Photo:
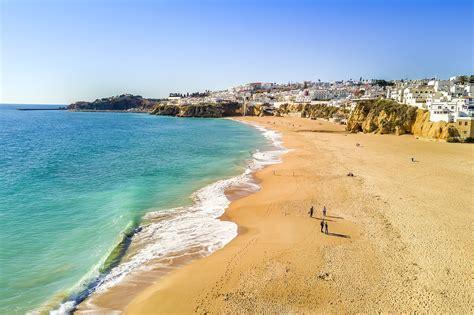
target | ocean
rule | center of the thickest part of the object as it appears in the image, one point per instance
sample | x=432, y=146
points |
x=77, y=187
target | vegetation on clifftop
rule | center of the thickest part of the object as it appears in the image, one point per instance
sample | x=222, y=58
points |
x=124, y=102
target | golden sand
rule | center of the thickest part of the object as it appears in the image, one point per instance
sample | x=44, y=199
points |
x=399, y=232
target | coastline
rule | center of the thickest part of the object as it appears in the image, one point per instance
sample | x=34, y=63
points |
x=376, y=257
x=215, y=198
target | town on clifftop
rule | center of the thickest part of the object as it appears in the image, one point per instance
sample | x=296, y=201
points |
x=427, y=108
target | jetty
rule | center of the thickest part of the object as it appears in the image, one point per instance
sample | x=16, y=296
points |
x=61, y=108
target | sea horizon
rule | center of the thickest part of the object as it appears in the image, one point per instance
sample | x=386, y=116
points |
x=236, y=157
x=65, y=275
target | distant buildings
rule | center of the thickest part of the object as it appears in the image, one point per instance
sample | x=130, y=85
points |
x=417, y=96
x=446, y=100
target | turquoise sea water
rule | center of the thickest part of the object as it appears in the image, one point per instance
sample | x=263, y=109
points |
x=71, y=183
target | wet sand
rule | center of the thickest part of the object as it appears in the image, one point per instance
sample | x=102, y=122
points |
x=399, y=238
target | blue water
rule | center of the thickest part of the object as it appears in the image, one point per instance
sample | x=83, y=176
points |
x=71, y=182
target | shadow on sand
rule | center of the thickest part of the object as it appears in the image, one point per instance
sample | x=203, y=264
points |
x=334, y=217
x=339, y=235
x=320, y=219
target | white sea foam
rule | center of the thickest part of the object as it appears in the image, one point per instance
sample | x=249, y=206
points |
x=65, y=308
x=195, y=226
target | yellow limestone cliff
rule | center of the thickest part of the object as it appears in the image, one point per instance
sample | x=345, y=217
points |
x=389, y=117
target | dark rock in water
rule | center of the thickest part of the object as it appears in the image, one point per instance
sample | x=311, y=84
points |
x=138, y=229
x=124, y=102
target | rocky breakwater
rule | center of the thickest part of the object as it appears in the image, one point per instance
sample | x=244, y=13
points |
x=389, y=117
x=124, y=102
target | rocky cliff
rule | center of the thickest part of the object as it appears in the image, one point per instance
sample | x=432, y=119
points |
x=440, y=130
x=124, y=102
x=311, y=111
x=199, y=110
x=389, y=117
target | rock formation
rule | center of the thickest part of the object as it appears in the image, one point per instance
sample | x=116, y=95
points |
x=199, y=110
x=311, y=111
x=379, y=116
x=424, y=128
x=124, y=102
x=382, y=116
x=389, y=117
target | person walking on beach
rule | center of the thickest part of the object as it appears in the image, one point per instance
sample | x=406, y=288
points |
x=311, y=210
x=326, y=228
x=322, y=226
x=324, y=211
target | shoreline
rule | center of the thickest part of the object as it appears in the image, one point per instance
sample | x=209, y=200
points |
x=280, y=262
x=235, y=187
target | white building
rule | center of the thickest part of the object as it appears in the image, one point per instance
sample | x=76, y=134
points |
x=469, y=90
x=303, y=99
x=442, y=85
x=278, y=104
x=443, y=107
x=457, y=90
x=320, y=94
x=417, y=96
x=395, y=94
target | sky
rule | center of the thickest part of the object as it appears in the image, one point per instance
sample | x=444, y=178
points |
x=58, y=52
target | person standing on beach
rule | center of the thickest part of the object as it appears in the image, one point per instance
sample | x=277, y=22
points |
x=311, y=210
x=326, y=228
x=322, y=226
x=324, y=211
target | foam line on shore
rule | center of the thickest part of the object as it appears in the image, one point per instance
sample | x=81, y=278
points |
x=179, y=229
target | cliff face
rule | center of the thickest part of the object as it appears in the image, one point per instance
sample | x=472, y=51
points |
x=382, y=117
x=235, y=109
x=123, y=102
x=441, y=130
x=310, y=111
x=388, y=117
x=199, y=110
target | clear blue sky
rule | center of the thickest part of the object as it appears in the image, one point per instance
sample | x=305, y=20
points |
x=63, y=51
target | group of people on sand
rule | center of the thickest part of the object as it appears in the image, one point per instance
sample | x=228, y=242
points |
x=324, y=223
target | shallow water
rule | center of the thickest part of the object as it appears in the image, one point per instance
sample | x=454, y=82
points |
x=72, y=183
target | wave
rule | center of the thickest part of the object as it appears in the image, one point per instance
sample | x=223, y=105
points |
x=174, y=232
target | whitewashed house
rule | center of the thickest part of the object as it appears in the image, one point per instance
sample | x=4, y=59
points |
x=444, y=107
x=469, y=90
x=417, y=96
x=457, y=90
x=319, y=94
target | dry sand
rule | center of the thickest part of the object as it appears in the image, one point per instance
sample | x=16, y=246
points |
x=400, y=232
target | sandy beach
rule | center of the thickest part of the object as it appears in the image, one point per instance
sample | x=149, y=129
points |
x=399, y=231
